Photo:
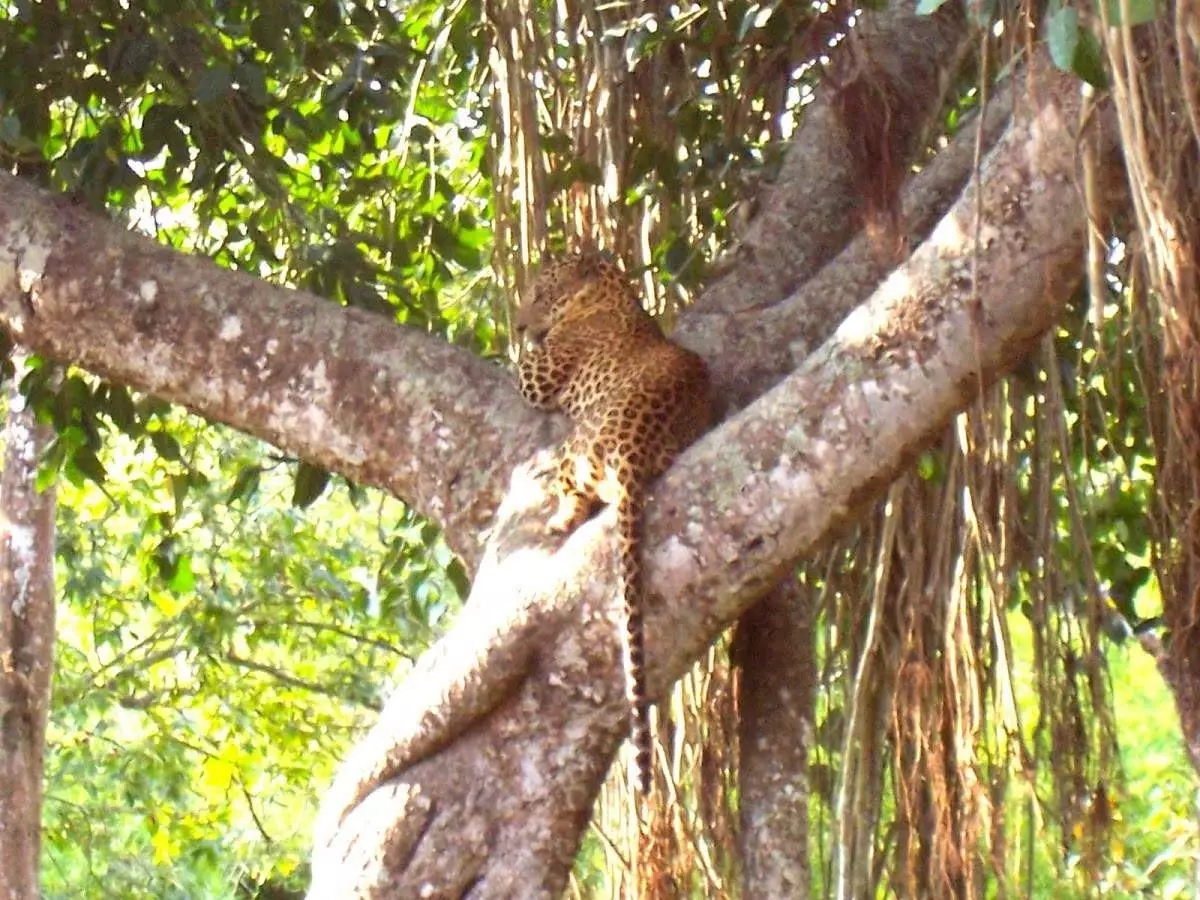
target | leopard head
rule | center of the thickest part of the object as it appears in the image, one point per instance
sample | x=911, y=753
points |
x=571, y=287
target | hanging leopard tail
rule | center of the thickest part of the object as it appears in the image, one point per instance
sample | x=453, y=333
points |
x=629, y=527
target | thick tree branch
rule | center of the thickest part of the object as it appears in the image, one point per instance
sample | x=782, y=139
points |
x=750, y=350
x=759, y=349
x=515, y=787
x=888, y=83
x=386, y=406
x=891, y=74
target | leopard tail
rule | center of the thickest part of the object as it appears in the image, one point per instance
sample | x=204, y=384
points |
x=629, y=526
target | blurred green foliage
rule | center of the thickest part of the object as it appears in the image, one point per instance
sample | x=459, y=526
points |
x=216, y=658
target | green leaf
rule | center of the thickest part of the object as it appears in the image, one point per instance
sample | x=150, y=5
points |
x=1089, y=60
x=166, y=446
x=166, y=558
x=182, y=580
x=310, y=484
x=1075, y=49
x=245, y=484
x=85, y=460
x=457, y=576
x=160, y=128
x=1062, y=34
x=120, y=408
x=213, y=85
x=266, y=30
x=929, y=7
x=49, y=464
x=253, y=82
x=1140, y=11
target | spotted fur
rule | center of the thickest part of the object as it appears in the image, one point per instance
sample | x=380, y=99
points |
x=588, y=348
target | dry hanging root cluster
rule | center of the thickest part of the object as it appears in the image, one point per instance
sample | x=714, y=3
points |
x=1155, y=72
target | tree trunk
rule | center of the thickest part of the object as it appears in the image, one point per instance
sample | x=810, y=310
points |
x=26, y=645
x=776, y=655
x=511, y=722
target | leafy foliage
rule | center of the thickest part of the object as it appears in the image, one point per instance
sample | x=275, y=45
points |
x=215, y=661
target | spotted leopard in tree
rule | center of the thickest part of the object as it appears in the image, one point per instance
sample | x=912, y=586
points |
x=588, y=348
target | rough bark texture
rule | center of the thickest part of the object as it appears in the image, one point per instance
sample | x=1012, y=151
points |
x=758, y=343
x=536, y=727
x=757, y=349
x=895, y=71
x=26, y=648
x=397, y=408
x=776, y=657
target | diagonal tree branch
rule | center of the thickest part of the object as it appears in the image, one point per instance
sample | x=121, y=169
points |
x=516, y=786
x=846, y=162
x=891, y=74
x=386, y=406
x=376, y=405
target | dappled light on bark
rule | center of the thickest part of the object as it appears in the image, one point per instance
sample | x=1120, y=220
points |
x=876, y=689
x=761, y=490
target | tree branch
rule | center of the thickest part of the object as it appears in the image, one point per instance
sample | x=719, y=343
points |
x=26, y=644
x=891, y=72
x=387, y=406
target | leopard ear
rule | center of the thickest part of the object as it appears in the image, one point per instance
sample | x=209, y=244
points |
x=592, y=259
x=586, y=248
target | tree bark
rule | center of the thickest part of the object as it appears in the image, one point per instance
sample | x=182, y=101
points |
x=775, y=639
x=398, y=408
x=894, y=70
x=527, y=679
x=775, y=653
x=26, y=646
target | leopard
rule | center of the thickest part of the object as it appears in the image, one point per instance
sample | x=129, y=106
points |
x=588, y=348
